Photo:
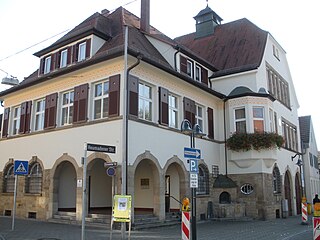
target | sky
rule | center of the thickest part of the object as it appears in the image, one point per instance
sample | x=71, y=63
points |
x=29, y=26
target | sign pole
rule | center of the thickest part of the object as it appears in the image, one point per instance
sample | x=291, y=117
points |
x=84, y=192
x=14, y=200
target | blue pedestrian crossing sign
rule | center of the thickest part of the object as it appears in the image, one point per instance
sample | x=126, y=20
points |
x=21, y=167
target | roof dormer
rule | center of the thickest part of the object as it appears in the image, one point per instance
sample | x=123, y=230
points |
x=206, y=21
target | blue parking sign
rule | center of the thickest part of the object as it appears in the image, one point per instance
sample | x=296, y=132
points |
x=193, y=165
x=21, y=167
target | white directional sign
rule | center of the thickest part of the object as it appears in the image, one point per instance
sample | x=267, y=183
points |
x=21, y=167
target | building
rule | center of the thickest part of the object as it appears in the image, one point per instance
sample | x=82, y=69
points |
x=309, y=158
x=115, y=80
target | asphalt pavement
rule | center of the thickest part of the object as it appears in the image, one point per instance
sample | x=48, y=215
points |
x=277, y=229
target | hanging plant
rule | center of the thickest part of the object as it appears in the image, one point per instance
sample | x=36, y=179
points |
x=256, y=141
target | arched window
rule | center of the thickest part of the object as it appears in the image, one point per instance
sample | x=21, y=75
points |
x=8, y=181
x=203, y=180
x=276, y=180
x=34, y=178
x=225, y=198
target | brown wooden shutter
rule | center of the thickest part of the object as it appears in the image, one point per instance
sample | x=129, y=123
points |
x=114, y=95
x=5, y=122
x=88, y=48
x=183, y=65
x=41, y=69
x=204, y=76
x=80, y=103
x=57, y=60
x=25, y=117
x=189, y=110
x=50, y=111
x=69, y=55
x=75, y=49
x=133, y=88
x=163, y=106
x=53, y=58
x=210, y=123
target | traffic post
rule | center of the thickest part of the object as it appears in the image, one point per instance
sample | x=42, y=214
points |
x=185, y=223
x=304, y=211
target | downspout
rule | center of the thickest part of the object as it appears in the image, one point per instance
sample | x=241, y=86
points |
x=225, y=136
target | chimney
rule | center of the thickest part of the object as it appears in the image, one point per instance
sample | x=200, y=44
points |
x=145, y=16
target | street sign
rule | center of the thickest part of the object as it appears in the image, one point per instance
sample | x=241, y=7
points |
x=110, y=164
x=192, y=153
x=193, y=180
x=101, y=148
x=111, y=171
x=193, y=165
x=21, y=167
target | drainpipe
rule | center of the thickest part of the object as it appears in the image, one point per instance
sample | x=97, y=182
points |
x=225, y=136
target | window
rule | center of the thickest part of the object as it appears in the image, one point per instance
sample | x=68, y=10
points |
x=258, y=119
x=203, y=180
x=198, y=73
x=278, y=87
x=101, y=100
x=8, y=182
x=276, y=180
x=275, y=52
x=67, y=108
x=34, y=179
x=145, y=102
x=82, y=52
x=240, y=120
x=246, y=189
x=63, y=58
x=16, y=120
x=311, y=159
x=47, y=65
x=190, y=68
x=173, y=111
x=289, y=133
x=199, y=116
x=39, y=115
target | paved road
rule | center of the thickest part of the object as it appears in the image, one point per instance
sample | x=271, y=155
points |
x=278, y=229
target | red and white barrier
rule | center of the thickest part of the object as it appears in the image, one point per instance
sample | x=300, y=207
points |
x=185, y=226
x=304, y=213
x=316, y=228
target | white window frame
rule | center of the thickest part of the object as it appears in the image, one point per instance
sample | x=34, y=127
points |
x=143, y=99
x=82, y=51
x=47, y=65
x=256, y=118
x=240, y=119
x=190, y=68
x=102, y=98
x=39, y=114
x=16, y=120
x=198, y=76
x=69, y=108
x=173, y=111
x=63, y=58
x=199, y=116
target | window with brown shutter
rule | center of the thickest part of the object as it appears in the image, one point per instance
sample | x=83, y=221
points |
x=69, y=49
x=210, y=123
x=114, y=95
x=183, y=65
x=41, y=69
x=5, y=122
x=163, y=106
x=189, y=107
x=88, y=48
x=133, y=88
x=80, y=104
x=75, y=53
x=25, y=116
x=57, y=60
x=204, y=76
x=53, y=57
x=50, y=111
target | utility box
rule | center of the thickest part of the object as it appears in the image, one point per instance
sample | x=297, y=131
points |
x=285, y=208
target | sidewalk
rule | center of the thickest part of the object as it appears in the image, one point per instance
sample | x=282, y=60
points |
x=278, y=229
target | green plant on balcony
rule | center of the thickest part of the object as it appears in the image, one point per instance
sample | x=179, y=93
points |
x=254, y=141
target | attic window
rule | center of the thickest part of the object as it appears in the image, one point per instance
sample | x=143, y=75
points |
x=276, y=52
x=47, y=64
x=190, y=68
x=82, y=52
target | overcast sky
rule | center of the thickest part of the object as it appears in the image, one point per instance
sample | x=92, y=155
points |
x=294, y=24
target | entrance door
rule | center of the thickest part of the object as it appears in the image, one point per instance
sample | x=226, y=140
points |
x=167, y=193
x=287, y=192
x=298, y=194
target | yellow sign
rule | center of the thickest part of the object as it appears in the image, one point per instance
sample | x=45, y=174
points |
x=186, y=205
x=121, y=208
x=316, y=210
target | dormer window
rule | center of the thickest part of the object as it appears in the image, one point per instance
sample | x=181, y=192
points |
x=198, y=73
x=190, y=68
x=63, y=58
x=193, y=70
x=276, y=52
x=47, y=65
x=82, y=52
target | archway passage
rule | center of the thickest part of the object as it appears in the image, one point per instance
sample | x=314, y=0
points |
x=146, y=188
x=287, y=192
x=65, y=187
x=174, y=187
x=298, y=189
x=99, y=188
